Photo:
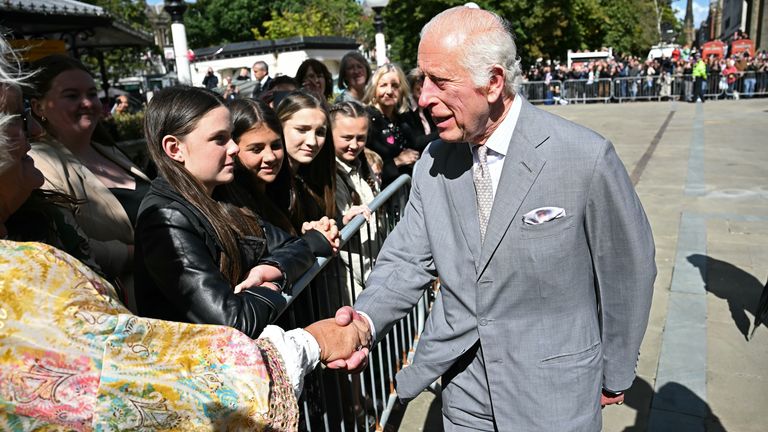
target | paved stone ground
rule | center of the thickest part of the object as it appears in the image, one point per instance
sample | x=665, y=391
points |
x=705, y=190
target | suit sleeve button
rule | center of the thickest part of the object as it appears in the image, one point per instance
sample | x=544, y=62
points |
x=483, y=322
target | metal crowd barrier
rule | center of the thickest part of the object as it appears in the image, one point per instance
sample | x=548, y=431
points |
x=748, y=84
x=337, y=401
x=548, y=93
x=758, y=86
x=712, y=88
x=653, y=87
x=584, y=90
x=645, y=87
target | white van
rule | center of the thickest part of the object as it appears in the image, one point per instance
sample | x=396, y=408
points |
x=662, y=50
x=588, y=56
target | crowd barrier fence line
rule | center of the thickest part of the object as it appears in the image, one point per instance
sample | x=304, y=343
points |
x=336, y=401
x=643, y=87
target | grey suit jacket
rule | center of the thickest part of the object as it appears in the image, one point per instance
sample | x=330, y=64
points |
x=560, y=308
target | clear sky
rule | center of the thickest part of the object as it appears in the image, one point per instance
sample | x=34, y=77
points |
x=700, y=10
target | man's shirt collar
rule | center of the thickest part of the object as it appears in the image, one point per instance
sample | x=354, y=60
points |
x=498, y=142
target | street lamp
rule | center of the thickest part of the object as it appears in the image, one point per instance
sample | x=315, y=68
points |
x=175, y=9
x=381, y=47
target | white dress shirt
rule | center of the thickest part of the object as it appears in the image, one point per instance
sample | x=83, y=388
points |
x=498, y=143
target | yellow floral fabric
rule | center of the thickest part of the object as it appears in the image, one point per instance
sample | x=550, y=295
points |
x=72, y=357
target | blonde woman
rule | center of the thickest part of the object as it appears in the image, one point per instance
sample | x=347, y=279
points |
x=390, y=133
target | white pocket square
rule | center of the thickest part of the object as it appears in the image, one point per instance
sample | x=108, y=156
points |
x=543, y=214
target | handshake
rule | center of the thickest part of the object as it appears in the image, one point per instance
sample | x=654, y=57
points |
x=344, y=340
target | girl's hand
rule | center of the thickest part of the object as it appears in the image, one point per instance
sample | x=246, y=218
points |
x=328, y=228
x=407, y=157
x=261, y=275
x=356, y=210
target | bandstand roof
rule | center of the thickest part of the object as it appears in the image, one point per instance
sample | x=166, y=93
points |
x=81, y=25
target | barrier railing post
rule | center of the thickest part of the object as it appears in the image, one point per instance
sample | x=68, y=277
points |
x=646, y=87
x=336, y=402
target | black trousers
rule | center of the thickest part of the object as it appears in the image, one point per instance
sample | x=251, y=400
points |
x=697, y=89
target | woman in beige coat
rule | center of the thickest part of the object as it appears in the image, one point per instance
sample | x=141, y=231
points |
x=105, y=181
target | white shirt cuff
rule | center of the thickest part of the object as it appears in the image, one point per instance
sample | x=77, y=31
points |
x=370, y=324
x=300, y=352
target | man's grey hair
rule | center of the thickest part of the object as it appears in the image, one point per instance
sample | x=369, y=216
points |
x=261, y=64
x=10, y=66
x=10, y=77
x=6, y=161
x=485, y=40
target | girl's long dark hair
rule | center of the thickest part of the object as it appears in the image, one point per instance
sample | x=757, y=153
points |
x=354, y=109
x=176, y=111
x=248, y=114
x=315, y=183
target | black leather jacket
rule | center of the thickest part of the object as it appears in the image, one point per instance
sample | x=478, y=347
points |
x=177, y=266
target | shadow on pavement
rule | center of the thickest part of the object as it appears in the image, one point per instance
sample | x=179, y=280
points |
x=433, y=422
x=740, y=289
x=675, y=408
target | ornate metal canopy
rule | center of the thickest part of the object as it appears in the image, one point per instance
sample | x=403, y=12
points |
x=80, y=25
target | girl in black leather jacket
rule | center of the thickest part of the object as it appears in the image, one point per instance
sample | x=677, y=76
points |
x=199, y=260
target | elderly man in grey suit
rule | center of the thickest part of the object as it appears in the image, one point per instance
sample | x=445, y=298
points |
x=544, y=252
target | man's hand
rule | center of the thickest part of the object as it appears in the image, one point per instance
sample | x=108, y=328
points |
x=260, y=275
x=341, y=346
x=347, y=316
x=608, y=398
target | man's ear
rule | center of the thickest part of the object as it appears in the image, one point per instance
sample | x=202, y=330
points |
x=496, y=83
x=173, y=148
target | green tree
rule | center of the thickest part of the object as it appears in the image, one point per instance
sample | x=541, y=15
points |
x=542, y=28
x=215, y=22
x=403, y=21
x=329, y=18
x=126, y=61
x=548, y=29
x=128, y=11
x=629, y=25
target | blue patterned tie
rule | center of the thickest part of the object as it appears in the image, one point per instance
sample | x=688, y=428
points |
x=483, y=188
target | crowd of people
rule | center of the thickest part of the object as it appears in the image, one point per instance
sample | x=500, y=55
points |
x=399, y=129
x=621, y=78
x=241, y=194
x=731, y=76
x=245, y=197
x=146, y=298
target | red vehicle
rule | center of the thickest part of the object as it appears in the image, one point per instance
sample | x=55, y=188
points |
x=742, y=45
x=714, y=48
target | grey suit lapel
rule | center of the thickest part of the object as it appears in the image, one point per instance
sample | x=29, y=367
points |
x=522, y=166
x=461, y=191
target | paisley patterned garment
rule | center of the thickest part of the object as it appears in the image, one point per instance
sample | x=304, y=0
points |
x=72, y=357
